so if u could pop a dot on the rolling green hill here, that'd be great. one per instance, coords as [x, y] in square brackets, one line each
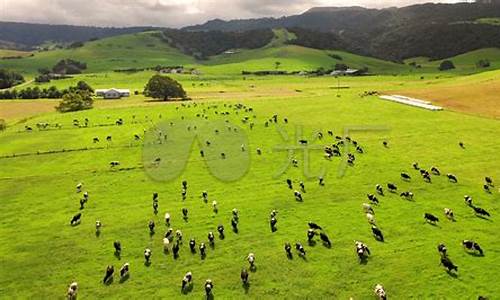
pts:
[464, 62]
[125, 51]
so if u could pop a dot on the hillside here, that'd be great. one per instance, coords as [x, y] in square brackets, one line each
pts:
[28, 36]
[432, 30]
[137, 50]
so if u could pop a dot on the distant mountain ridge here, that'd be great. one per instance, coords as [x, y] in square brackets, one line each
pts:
[433, 30]
[27, 36]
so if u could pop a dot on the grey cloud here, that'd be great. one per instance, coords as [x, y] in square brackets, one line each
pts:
[171, 13]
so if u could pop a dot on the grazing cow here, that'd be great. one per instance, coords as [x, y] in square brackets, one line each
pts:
[175, 249]
[259, 152]
[325, 239]
[235, 214]
[234, 225]
[486, 188]
[289, 183]
[96, 140]
[472, 246]
[251, 259]
[211, 238]
[272, 223]
[244, 276]
[468, 200]
[169, 234]
[372, 198]
[320, 181]
[392, 187]
[298, 196]
[124, 270]
[155, 196]
[362, 250]
[147, 255]
[223, 155]
[377, 233]
[480, 211]
[98, 225]
[303, 142]
[274, 213]
[72, 291]
[114, 163]
[379, 189]
[178, 235]
[426, 177]
[79, 187]
[359, 150]
[109, 274]
[415, 166]
[370, 218]
[108, 138]
[367, 208]
[187, 280]
[300, 249]
[379, 291]
[442, 249]
[330, 132]
[302, 187]
[461, 144]
[166, 245]
[452, 178]
[202, 154]
[76, 219]
[488, 181]
[118, 247]
[204, 195]
[295, 162]
[448, 264]
[431, 218]
[82, 202]
[288, 249]
[137, 137]
[192, 245]
[407, 195]
[448, 212]
[208, 287]
[203, 249]
[435, 171]
[167, 219]
[405, 176]
[220, 229]
[386, 144]
[214, 206]
[310, 235]
[314, 226]
[185, 212]
[151, 226]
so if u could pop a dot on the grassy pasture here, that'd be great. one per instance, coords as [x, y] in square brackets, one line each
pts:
[41, 254]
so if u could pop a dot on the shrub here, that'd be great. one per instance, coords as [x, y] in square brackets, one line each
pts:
[446, 65]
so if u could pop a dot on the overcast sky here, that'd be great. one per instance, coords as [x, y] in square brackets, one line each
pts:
[171, 13]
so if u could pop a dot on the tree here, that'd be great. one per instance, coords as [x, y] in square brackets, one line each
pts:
[75, 101]
[83, 86]
[163, 87]
[9, 78]
[446, 65]
[483, 63]
[277, 64]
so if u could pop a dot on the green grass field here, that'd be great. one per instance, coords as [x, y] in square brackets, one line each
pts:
[41, 253]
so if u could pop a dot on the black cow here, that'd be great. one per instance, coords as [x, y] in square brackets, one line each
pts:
[377, 233]
[289, 183]
[234, 225]
[208, 287]
[175, 249]
[288, 249]
[415, 166]
[211, 238]
[118, 247]
[76, 219]
[300, 249]
[488, 181]
[203, 249]
[109, 274]
[405, 176]
[313, 225]
[151, 226]
[187, 280]
[472, 246]
[447, 263]
[372, 198]
[273, 222]
[442, 249]
[244, 276]
[379, 189]
[310, 235]
[452, 177]
[435, 171]
[220, 229]
[192, 245]
[431, 218]
[480, 211]
[392, 187]
[325, 239]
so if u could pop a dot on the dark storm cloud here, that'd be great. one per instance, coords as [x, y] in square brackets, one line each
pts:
[172, 13]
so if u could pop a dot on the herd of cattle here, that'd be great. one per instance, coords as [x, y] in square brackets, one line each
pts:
[172, 240]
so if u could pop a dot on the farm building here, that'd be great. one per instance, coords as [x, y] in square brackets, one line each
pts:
[112, 93]
[348, 72]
